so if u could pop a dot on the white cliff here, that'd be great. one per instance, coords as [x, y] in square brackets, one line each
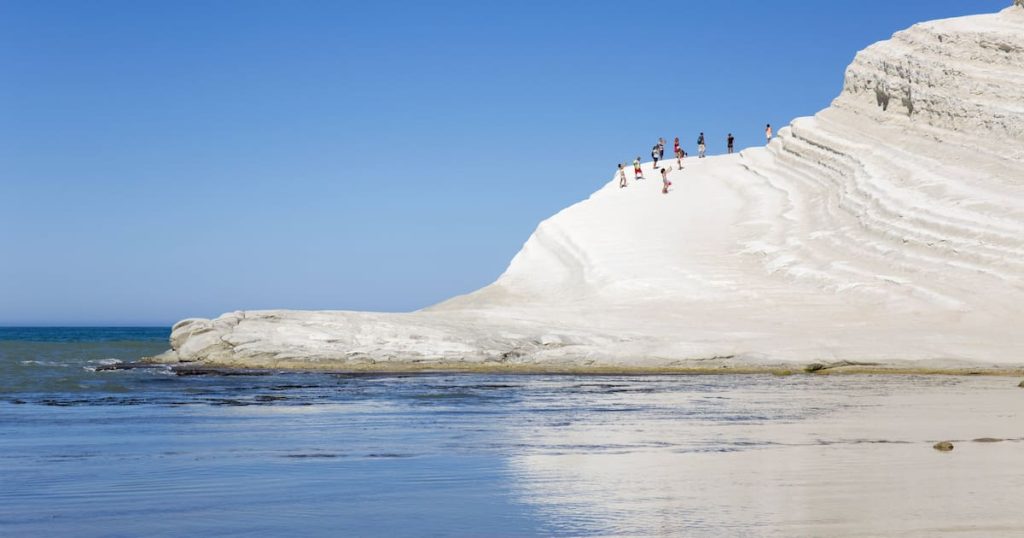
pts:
[885, 229]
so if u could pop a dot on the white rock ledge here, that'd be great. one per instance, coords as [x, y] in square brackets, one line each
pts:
[887, 229]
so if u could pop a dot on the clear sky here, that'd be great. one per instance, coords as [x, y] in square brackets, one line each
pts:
[162, 160]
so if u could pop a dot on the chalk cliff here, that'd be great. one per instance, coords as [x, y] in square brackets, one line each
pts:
[887, 228]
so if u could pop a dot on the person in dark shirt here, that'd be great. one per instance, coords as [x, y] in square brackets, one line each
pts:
[730, 141]
[700, 146]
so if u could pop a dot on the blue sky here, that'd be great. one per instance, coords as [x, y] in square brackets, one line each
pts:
[162, 160]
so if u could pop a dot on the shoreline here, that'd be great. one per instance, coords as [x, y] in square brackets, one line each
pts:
[818, 369]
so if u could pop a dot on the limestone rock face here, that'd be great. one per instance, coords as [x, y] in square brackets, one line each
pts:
[888, 227]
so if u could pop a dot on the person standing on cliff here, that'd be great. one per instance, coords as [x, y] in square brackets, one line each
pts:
[679, 153]
[700, 146]
[661, 148]
[622, 176]
[768, 133]
[637, 172]
[730, 142]
[655, 155]
[665, 183]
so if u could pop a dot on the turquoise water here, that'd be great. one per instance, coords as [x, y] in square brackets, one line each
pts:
[147, 452]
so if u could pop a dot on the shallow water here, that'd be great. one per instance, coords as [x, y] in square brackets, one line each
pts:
[146, 452]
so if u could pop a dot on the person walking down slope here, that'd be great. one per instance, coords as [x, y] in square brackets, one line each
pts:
[622, 176]
[637, 172]
[700, 146]
[729, 142]
[665, 183]
[655, 155]
[768, 133]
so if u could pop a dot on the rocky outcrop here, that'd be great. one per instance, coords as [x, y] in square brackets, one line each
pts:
[887, 228]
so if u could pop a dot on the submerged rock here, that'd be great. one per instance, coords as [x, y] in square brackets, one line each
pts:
[943, 446]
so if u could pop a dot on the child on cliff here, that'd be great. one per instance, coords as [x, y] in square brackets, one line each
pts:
[679, 153]
[665, 183]
[655, 155]
[637, 172]
[768, 133]
[700, 146]
[622, 176]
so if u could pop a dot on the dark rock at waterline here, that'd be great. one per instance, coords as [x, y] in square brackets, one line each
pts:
[943, 446]
[814, 367]
[203, 371]
[988, 440]
[126, 366]
[185, 370]
[1021, 385]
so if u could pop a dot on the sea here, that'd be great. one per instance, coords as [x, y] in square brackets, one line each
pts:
[88, 451]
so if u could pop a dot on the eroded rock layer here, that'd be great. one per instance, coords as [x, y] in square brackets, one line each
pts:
[887, 228]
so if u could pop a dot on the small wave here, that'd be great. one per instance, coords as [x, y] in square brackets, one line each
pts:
[100, 362]
[44, 363]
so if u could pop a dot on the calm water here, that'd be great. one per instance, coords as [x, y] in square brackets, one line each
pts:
[147, 452]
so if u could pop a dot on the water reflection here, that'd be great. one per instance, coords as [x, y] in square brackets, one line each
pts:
[329, 455]
[803, 457]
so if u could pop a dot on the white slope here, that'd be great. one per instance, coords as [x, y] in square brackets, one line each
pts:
[888, 227]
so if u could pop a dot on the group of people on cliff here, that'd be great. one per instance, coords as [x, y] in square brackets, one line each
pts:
[658, 154]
